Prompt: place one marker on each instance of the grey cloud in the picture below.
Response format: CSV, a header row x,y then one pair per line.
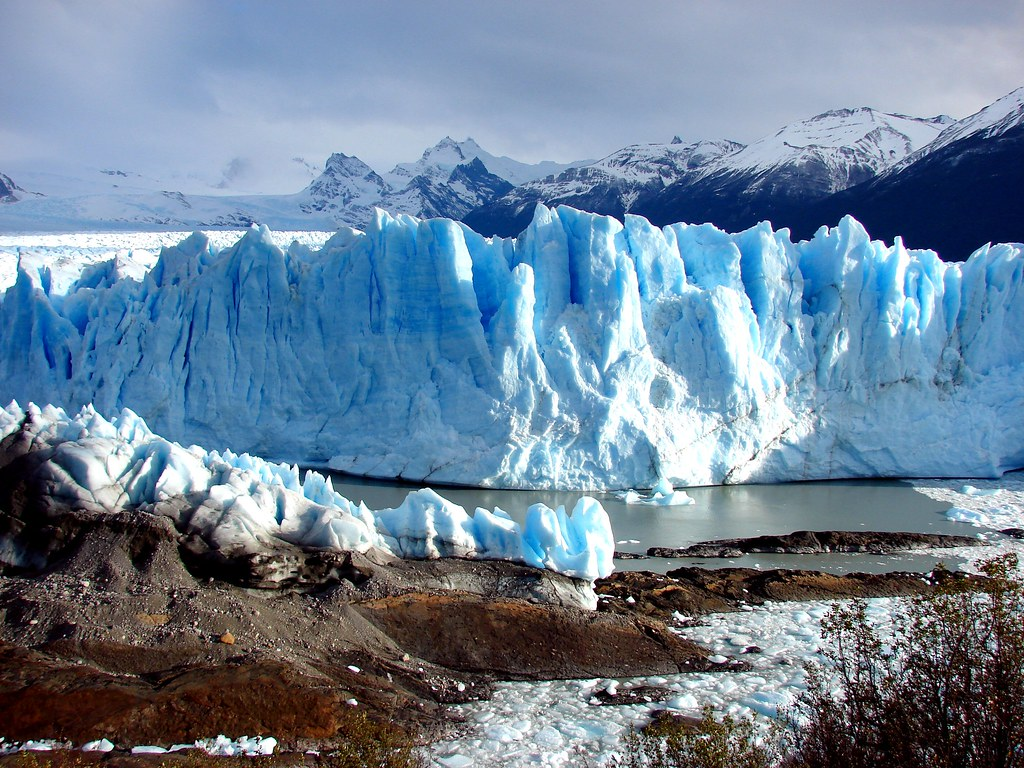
x,y
194,84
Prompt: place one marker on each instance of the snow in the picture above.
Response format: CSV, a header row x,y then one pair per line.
x,y
875,139
586,354
243,504
995,119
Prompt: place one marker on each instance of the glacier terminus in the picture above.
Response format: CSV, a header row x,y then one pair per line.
x,y
587,353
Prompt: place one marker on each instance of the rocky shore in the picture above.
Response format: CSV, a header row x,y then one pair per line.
x,y
818,543
113,636
121,632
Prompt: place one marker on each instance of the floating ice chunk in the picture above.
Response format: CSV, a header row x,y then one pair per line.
x,y
970,516
661,495
455,761
503,734
579,545
686,701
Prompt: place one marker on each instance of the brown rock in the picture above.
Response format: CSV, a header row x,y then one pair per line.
x,y
227,638
517,640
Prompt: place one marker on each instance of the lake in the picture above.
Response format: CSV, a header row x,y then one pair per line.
x,y
723,512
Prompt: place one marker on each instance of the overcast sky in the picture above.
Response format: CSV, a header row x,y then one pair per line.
x,y
241,87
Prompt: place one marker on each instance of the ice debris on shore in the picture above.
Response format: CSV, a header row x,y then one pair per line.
x,y
244,503
586,353
249,746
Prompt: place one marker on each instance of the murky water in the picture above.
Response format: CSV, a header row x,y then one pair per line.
x,y
723,512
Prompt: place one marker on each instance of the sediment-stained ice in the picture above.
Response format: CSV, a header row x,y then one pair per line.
x,y
242,504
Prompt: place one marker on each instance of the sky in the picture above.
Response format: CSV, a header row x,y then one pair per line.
x,y
252,94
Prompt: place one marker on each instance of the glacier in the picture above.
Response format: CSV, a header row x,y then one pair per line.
x,y
587,353
244,505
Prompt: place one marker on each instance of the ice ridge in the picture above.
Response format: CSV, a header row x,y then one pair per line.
x,y
586,353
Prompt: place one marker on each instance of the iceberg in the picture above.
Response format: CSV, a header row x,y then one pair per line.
x,y
587,353
242,505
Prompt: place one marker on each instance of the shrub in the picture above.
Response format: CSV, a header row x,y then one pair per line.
x,y
946,692
371,744
711,743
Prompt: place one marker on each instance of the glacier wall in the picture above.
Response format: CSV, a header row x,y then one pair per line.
x,y
586,353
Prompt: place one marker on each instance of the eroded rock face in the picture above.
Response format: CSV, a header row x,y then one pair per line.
x,y
519,640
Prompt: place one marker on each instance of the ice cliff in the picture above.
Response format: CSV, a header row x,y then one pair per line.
x,y
586,353
241,504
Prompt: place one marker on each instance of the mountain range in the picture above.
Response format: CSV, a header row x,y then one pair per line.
x,y
950,185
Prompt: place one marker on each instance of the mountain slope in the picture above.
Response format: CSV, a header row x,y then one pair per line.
x,y
954,195
800,163
450,179
610,186
8,189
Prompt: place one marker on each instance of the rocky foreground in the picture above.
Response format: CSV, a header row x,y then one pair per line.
x,y
119,631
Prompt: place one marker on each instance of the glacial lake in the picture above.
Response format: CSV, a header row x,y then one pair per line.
x,y
723,512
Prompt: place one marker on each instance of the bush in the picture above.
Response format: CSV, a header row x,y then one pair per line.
x,y
946,692
371,744
711,743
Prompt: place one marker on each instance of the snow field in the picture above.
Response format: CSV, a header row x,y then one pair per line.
x,y
67,255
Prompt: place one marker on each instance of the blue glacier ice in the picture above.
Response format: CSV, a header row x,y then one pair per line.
x,y
242,504
586,353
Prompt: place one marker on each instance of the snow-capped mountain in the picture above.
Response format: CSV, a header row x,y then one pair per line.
x,y
953,195
801,162
998,118
452,194
450,179
347,188
587,353
610,186
8,189
439,161
830,151
960,182
724,182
